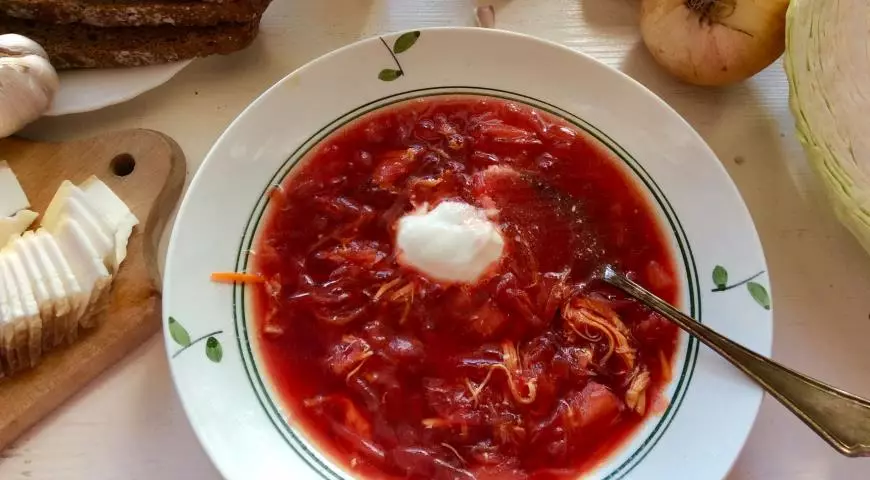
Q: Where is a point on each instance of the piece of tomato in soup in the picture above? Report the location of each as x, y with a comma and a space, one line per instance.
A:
429, 309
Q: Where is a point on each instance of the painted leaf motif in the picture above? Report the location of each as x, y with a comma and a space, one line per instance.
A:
405, 41
388, 74
178, 333
720, 276
759, 294
213, 350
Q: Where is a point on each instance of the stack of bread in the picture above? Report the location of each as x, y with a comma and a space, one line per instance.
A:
128, 33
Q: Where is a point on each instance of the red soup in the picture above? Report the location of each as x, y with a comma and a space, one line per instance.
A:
534, 371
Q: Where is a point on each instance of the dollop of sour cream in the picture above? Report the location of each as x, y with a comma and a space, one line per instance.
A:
453, 242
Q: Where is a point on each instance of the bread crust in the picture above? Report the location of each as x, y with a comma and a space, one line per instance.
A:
133, 13
77, 46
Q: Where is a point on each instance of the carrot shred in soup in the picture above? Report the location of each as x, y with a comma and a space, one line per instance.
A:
536, 370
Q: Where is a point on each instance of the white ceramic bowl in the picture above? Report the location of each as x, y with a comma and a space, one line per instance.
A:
214, 358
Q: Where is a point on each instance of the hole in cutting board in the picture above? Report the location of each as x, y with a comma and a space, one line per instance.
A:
123, 164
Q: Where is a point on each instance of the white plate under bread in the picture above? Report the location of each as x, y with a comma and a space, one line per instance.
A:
88, 90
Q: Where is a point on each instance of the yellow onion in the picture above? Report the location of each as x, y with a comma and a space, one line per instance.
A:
714, 42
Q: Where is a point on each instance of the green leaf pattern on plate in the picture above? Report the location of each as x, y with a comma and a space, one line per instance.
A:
756, 290
759, 293
213, 349
178, 333
402, 44
405, 41
389, 74
720, 276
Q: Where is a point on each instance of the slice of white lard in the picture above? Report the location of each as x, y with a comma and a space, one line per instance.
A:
116, 214
12, 227
453, 242
12, 197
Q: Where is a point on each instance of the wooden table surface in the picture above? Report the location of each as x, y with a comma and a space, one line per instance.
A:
129, 424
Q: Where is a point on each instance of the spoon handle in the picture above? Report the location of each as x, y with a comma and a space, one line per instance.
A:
839, 417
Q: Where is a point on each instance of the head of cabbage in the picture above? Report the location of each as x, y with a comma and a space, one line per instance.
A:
828, 65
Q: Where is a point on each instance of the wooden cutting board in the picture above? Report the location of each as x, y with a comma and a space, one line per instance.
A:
147, 170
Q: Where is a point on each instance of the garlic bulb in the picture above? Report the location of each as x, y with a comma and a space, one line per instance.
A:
485, 16
28, 83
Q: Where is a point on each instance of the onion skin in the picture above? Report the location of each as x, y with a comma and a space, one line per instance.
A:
732, 41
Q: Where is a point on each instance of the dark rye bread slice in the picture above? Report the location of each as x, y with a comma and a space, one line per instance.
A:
83, 46
122, 13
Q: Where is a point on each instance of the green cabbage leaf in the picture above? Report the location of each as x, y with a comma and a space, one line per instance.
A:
827, 61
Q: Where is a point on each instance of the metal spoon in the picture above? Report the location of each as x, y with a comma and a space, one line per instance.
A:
839, 417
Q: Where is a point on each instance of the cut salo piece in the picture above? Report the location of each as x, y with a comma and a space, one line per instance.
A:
74, 294
12, 227
86, 263
16, 332
114, 211
46, 286
61, 303
70, 202
29, 307
8, 359
12, 197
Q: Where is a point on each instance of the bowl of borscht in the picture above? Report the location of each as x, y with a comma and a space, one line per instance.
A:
386, 269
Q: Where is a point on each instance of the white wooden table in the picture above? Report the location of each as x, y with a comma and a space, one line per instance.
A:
129, 424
